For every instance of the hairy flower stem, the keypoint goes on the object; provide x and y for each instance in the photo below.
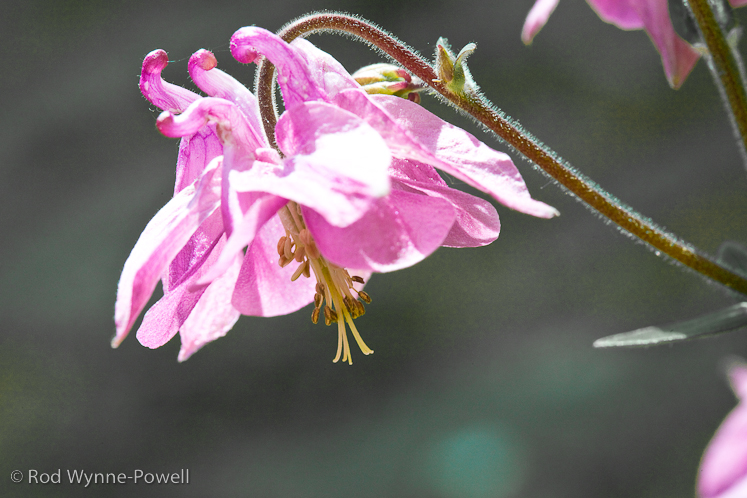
(480, 109)
(726, 66)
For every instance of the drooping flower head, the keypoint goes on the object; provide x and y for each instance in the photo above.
(351, 190)
(677, 56)
(723, 470)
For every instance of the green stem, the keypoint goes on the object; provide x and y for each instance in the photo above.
(583, 188)
(725, 66)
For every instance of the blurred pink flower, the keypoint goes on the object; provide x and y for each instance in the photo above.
(354, 188)
(723, 470)
(677, 55)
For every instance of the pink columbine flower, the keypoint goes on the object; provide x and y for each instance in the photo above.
(677, 55)
(723, 470)
(353, 191)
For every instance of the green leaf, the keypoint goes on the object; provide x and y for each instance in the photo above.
(725, 320)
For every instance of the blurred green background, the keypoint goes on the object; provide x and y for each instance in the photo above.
(484, 382)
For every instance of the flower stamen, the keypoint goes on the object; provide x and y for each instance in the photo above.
(334, 284)
(301, 270)
(288, 248)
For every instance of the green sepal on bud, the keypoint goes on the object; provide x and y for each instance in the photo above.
(452, 70)
(389, 79)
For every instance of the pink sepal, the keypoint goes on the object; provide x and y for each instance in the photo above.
(723, 470)
(163, 238)
(264, 288)
(460, 154)
(398, 231)
(537, 18)
(213, 316)
(677, 56)
(216, 83)
(163, 320)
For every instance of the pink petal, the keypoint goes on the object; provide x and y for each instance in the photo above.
(240, 145)
(336, 164)
(195, 153)
(213, 316)
(398, 231)
(339, 200)
(723, 470)
(332, 141)
(460, 154)
(216, 83)
(264, 288)
(248, 43)
(738, 3)
(163, 95)
(223, 113)
(160, 242)
(234, 203)
(536, 19)
(304, 72)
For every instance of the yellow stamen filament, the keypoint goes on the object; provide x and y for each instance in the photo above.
(364, 349)
(342, 342)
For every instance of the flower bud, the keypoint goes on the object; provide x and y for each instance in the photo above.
(389, 79)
